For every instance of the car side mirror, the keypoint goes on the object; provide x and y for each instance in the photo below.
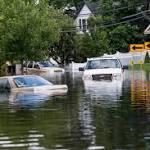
(81, 69)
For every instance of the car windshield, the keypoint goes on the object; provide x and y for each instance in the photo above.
(103, 63)
(45, 64)
(30, 81)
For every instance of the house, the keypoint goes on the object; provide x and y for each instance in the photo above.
(147, 30)
(86, 10)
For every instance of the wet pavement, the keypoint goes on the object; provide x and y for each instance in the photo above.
(110, 115)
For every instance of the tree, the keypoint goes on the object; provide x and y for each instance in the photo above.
(147, 58)
(111, 20)
(63, 50)
(27, 28)
(64, 3)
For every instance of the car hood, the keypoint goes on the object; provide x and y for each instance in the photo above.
(53, 68)
(46, 89)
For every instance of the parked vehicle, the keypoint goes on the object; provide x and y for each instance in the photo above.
(43, 66)
(103, 68)
(31, 84)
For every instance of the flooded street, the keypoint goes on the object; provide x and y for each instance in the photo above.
(94, 115)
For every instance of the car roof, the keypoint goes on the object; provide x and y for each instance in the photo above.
(10, 77)
(104, 57)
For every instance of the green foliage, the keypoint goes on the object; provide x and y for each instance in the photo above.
(64, 3)
(90, 45)
(117, 37)
(63, 50)
(147, 58)
(84, 48)
(121, 36)
(27, 28)
(58, 3)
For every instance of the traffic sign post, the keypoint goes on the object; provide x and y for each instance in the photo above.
(138, 48)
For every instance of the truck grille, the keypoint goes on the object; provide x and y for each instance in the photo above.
(102, 77)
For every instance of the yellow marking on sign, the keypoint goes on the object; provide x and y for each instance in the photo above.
(147, 45)
(137, 47)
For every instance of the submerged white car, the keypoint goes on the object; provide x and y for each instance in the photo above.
(103, 68)
(31, 84)
(44, 66)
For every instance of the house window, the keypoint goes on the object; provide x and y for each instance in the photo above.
(80, 24)
(83, 25)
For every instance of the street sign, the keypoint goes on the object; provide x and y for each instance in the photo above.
(136, 47)
(147, 45)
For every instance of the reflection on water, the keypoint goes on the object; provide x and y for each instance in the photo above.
(140, 89)
(103, 91)
(92, 116)
(23, 99)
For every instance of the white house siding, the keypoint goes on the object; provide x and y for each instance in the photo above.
(85, 13)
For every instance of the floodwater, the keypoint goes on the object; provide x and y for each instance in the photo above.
(92, 116)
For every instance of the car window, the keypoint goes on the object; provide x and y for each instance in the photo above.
(25, 63)
(36, 66)
(30, 81)
(45, 64)
(103, 63)
(30, 65)
(4, 84)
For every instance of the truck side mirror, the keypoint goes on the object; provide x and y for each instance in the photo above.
(125, 67)
(81, 69)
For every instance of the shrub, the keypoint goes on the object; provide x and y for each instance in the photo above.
(147, 58)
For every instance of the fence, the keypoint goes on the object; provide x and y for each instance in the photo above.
(125, 59)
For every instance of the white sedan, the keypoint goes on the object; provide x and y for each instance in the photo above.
(31, 84)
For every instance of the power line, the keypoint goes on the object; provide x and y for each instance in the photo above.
(136, 14)
(120, 8)
(109, 25)
(126, 17)
(130, 20)
(113, 10)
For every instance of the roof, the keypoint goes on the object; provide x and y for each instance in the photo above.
(18, 76)
(147, 30)
(93, 6)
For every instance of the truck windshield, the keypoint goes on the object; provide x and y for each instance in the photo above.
(103, 63)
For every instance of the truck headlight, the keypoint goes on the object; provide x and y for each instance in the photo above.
(116, 75)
